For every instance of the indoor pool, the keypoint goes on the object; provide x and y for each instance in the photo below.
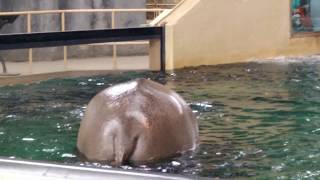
(257, 120)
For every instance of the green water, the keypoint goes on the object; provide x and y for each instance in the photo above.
(257, 120)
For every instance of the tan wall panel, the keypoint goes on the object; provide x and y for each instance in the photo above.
(208, 32)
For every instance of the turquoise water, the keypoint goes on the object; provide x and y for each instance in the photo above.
(257, 120)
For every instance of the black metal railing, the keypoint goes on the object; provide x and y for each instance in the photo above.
(52, 39)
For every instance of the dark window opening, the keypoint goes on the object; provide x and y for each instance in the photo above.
(305, 15)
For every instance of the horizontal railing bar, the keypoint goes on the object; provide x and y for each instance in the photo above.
(161, 4)
(52, 39)
(121, 43)
(78, 11)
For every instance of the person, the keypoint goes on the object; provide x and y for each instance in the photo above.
(301, 19)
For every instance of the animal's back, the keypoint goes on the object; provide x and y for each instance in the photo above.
(137, 121)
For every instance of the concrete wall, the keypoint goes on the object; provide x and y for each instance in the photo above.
(78, 21)
(208, 32)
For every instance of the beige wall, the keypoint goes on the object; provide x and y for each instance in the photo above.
(208, 32)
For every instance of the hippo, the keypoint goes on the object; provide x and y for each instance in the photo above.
(140, 121)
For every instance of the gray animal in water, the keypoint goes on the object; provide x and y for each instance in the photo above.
(140, 121)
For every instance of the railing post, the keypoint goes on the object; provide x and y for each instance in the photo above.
(4, 67)
(65, 50)
(29, 30)
(163, 50)
(114, 47)
(154, 14)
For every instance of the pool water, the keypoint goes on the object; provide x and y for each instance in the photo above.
(257, 120)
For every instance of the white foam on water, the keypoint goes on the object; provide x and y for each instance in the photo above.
(28, 139)
(68, 155)
(288, 59)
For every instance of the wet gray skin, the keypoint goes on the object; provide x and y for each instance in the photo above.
(139, 121)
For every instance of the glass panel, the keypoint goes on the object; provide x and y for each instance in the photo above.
(306, 15)
(130, 56)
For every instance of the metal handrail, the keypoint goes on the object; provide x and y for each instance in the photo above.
(78, 11)
(161, 5)
(67, 38)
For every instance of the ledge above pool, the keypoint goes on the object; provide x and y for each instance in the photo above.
(27, 170)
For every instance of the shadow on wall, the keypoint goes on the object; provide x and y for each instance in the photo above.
(78, 21)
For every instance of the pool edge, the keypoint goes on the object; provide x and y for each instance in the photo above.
(13, 169)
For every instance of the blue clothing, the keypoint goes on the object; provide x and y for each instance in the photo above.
(296, 4)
